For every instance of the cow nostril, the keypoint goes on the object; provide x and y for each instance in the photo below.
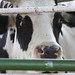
(58, 51)
(40, 50)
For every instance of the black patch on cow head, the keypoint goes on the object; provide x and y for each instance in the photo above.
(24, 30)
(3, 23)
(57, 24)
(12, 35)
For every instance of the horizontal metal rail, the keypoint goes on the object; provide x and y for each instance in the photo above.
(44, 9)
(39, 65)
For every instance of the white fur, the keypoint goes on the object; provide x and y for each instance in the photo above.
(68, 42)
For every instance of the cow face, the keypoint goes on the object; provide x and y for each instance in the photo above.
(34, 36)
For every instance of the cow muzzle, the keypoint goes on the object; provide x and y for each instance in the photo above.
(50, 52)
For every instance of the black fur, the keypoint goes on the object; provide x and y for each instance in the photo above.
(24, 30)
(3, 53)
(12, 36)
(56, 2)
(57, 25)
(3, 23)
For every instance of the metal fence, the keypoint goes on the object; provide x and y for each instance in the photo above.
(38, 64)
(45, 9)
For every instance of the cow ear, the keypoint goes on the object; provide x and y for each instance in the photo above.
(24, 31)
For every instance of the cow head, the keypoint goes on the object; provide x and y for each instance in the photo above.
(34, 36)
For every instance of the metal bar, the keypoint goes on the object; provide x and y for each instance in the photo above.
(40, 65)
(44, 9)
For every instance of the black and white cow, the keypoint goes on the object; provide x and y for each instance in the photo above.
(4, 31)
(30, 36)
(65, 23)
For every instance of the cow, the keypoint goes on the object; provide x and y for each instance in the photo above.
(5, 32)
(30, 36)
(63, 28)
